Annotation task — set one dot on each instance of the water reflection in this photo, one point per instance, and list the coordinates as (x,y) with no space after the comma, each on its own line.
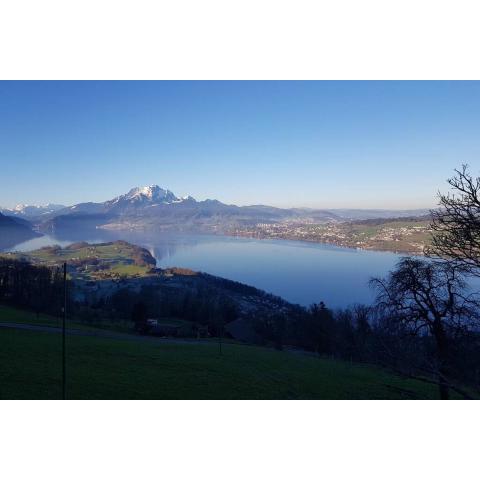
(161,246)
(299,272)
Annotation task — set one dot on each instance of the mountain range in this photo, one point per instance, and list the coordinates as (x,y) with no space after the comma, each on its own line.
(31,211)
(153,207)
(14,230)
(156,208)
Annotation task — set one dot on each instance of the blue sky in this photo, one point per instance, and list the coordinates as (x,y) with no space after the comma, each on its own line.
(316,144)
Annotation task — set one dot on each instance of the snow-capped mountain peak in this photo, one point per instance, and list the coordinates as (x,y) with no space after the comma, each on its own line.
(135,200)
(29,211)
(21,206)
(152,193)
(146,196)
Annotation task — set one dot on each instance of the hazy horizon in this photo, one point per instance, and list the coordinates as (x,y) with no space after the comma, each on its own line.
(286,206)
(326,145)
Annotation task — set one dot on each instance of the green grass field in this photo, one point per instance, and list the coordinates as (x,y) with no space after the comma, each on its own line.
(144,368)
(13,315)
(129,270)
(118,258)
(115,251)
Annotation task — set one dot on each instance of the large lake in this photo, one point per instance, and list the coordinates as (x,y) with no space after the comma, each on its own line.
(297,271)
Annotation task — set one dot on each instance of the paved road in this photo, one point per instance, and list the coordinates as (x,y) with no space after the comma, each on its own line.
(102,334)
(133,337)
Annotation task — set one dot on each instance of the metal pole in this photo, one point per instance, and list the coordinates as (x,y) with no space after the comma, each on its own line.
(220,336)
(63,330)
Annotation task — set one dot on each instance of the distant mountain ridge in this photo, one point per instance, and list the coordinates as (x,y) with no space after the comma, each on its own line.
(136,198)
(14,231)
(155,208)
(370,214)
(31,211)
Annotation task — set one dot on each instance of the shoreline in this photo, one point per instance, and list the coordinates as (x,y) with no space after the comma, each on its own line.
(317,242)
(246,236)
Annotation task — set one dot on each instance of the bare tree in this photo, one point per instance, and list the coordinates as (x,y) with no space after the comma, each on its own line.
(456,224)
(429,297)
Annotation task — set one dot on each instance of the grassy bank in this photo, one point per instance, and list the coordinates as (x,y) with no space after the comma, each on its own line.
(107,368)
(13,315)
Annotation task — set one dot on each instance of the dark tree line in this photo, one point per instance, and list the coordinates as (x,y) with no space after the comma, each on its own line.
(37,288)
(430,299)
(202,306)
(425,321)
(384,336)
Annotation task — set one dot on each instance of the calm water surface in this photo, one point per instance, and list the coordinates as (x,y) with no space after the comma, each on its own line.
(299,272)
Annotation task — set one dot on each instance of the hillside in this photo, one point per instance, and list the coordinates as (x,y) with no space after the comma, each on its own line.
(144,368)
(32,212)
(403,235)
(99,271)
(99,261)
(159,209)
(14,231)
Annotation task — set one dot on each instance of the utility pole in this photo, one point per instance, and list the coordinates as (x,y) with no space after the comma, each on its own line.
(220,332)
(64,373)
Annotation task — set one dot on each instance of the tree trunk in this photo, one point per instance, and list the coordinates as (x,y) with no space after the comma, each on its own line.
(444,391)
(443,360)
